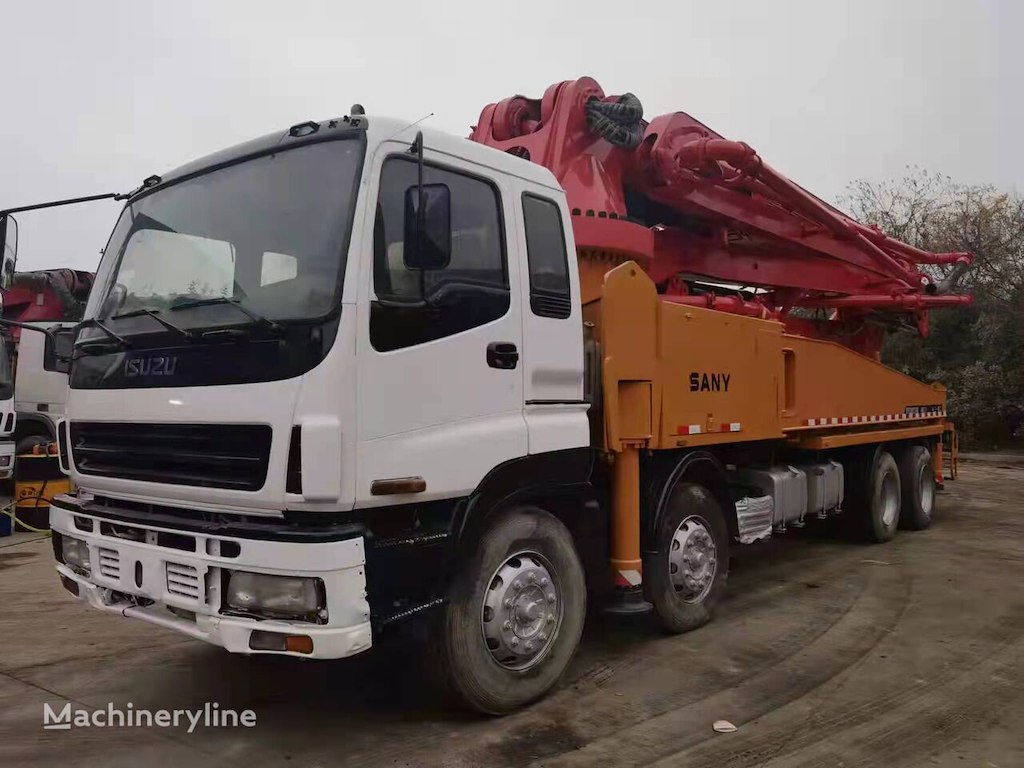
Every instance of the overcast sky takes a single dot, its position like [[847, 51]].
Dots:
[[99, 95]]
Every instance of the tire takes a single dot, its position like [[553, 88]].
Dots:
[[883, 498], [692, 524], [486, 673], [918, 482], [27, 443]]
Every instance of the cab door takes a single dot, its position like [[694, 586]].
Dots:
[[553, 366], [440, 375]]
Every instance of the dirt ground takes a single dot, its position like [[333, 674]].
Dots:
[[825, 653]]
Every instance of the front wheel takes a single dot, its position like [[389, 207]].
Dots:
[[514, 615], [686, 576]]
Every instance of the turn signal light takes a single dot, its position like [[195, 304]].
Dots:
[[260, 640], [398, 485], [299, 644]]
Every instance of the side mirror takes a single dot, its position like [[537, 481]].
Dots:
[[9, 239], [428, 227], [58, 347]]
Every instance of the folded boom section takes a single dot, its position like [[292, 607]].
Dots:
[[691, 207]]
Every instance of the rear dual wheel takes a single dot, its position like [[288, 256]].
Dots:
[[884, 498], [892, 494], [918, 483]]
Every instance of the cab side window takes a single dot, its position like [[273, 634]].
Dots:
[[549, 263], [416, 306]]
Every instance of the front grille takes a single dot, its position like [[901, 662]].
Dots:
[[110, 563], [183, 580], [209, 455]]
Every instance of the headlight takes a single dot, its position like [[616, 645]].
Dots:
[[283, 596], [5, 461], [76, 553]]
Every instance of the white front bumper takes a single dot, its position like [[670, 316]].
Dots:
[[6, 459], [185, 576]]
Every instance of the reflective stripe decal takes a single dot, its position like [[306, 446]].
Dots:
[[628, 578], [875, 418]]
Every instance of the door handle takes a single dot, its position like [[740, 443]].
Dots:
[[503, 355]]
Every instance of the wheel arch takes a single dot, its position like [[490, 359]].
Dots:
[[32, 424], [559, 482], [665, 472]]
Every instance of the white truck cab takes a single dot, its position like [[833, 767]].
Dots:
[[306, 361], [8, 418]]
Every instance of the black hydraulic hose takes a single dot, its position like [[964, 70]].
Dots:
[[620, 123]]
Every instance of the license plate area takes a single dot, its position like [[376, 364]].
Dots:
[[151, 573]]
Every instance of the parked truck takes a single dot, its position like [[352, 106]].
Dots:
[[8, 418], [358, 375], [48, 304], [52, 300]]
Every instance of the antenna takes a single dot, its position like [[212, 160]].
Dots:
[[410, 125]]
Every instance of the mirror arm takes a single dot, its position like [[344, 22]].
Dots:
[[421, 215], [57, 203], [25, 326]]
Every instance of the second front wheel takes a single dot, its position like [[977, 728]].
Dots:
[[685, 577]]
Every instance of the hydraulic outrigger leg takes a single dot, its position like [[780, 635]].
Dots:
[[626, 563]]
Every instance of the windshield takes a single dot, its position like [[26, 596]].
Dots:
[[267, 233]]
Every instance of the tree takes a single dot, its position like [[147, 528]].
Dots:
[[975, 352]]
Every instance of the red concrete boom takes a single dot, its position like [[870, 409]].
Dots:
[[685, 202]]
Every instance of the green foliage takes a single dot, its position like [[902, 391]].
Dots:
[[975, 352]]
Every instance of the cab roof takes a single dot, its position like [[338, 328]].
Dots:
[[376, 130]]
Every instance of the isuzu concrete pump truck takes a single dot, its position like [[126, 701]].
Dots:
[[359, 374]]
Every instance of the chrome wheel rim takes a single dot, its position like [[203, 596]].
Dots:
[[521, 612], [692, 560], [927, 488], [890, 499]]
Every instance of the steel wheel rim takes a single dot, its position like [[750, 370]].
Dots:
[[692, 560], [890, 499], [927, 489], [521, 611]]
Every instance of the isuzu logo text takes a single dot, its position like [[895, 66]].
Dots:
[[150, 366]]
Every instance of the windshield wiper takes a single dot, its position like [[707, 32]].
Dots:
[[153, 313], [266, 322], [89, 347]]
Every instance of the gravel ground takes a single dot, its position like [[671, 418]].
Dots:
[[825, 653]]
